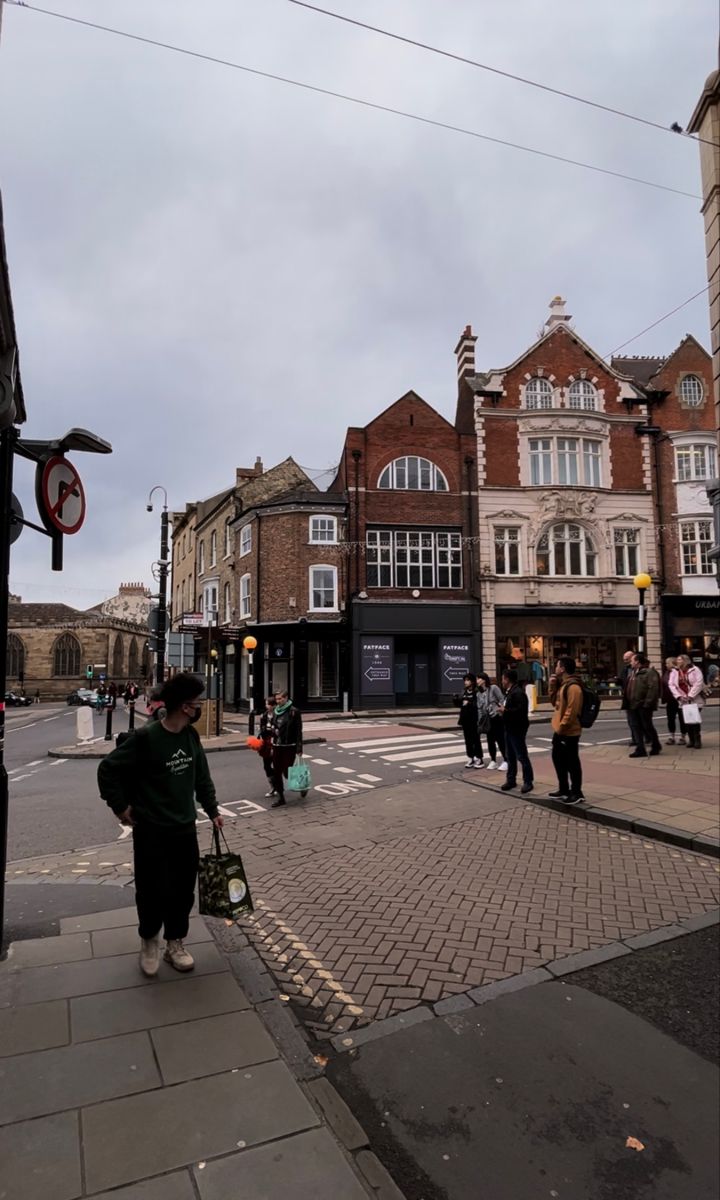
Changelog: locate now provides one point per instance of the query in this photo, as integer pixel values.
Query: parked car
(13, 700)
(81, 696)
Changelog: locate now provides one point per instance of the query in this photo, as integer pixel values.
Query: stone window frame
(65, 644)
(245, 592)
(246, 540)
(16, 656)
(311, 588)
(683, 402)
(586, 541)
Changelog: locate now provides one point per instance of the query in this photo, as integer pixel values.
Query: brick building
(183, 591)
(565, 504)
(409, 478)
(679, 391)
(51, 645)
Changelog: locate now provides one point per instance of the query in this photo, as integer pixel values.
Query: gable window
(696, 544)
(507, 550)
(695, 462)
(245, 596)
(538, 393)
(626, 551)
(228, 539)
(227, 604)
(582, 395)
(66, 656)
(323, 529)
(201, 558)
(691, 391)
(413, 558)
(413, 474)
(540, 460)
(245, 540)
(213, 548)
(15, 657)
(323, 589)
(566, 549)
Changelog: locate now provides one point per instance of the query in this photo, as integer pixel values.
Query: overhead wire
(471, 62)
(357, 100)
(660, 320)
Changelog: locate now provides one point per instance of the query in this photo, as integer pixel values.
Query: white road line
(441, 762)
(611, 742)
(321, 762)
(371, 778)
(344, 770)
(539, 739)
(421, 752)
(55, 762)
(36, 762)
(408, 739)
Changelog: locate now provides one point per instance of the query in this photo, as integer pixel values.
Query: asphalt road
(54, 805)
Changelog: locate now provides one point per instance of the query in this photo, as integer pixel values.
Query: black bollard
(251, 722)
(108, 723)
(131, 717)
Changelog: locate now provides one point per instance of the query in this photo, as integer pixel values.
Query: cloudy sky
(209, 266)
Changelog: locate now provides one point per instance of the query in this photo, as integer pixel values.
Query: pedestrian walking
(516, 720)
(468, 722)
(490, 722)
(643, 693)
(673, 711)
(287, 743)
(266, 737)
(624, 676)
(687, 686)
(567, 731)
(151, 782)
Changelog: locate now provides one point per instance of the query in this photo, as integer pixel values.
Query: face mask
(197, 713)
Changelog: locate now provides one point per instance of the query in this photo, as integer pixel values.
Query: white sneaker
(492, 766)
(470, 762)
(502, 766)
(150, 956)
(272, 792)
(478, 763)
(178, 956)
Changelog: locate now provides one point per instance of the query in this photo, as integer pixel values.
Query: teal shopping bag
(299, 778)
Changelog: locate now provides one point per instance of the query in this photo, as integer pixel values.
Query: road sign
(232, 632)
(61, 495)
(192, 619)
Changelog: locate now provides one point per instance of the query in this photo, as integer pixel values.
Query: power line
(659, 320)
(309, 87)
(471, 62)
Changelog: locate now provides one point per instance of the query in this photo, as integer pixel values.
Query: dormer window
(413, 474)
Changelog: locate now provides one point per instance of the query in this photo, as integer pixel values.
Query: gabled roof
(411, 395)
(40, 614)
(206, 507)
(644, 367)
(481, 380)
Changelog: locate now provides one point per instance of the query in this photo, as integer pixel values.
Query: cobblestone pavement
(368, 905)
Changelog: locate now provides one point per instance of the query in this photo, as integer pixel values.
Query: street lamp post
(162, 584)
(250, 644)
(642, 583)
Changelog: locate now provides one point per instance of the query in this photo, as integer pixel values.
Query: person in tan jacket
(566, 733)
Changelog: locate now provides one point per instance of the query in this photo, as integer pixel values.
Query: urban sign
(193, 620)
(60, 495)
(377, 666)
(454, 663)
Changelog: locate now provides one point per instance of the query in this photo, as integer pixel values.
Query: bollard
(131, 717)
(108, 723)
(251, 722)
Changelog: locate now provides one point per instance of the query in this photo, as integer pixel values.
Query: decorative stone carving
(568, 504)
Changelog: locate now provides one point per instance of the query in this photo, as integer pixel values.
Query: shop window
(413, 558)
(566, 549)
(413, 474)
(245, 540)
(538, 393)
(695, 462)
(691, 391)
(507, 550)
(15, 657)
(245, 596)
(323, 675)
(696, 544)
(323, 529)
(323, 589)
(626, 551)
(582, 395)
(66, 656)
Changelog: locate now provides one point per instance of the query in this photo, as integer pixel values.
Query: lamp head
(642, 581)
(149, 507)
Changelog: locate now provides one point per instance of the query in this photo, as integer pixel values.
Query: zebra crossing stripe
(408, 739)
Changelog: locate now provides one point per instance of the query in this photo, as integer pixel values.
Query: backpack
(590, 707)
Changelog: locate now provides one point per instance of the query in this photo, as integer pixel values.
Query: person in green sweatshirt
(151, 782)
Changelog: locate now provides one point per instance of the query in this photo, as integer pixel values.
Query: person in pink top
(687, 685)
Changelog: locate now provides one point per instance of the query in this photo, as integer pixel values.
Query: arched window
(118, 657)
(413, 474)
(691, 391)
(133, 659)
(538, 393)
(566, 549)
(582, 394)
(66, 656)
(15, 657)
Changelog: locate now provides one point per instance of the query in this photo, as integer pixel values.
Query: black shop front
(691, 625)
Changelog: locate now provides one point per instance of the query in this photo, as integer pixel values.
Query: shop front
(412, 654)
(306, 659)
(691, 625)
(596, 638)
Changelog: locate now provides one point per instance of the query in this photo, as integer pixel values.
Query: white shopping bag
(691, 714)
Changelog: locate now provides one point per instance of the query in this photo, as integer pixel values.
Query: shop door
(412, 677)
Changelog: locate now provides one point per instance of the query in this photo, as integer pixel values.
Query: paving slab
(47, 1081)
(159, 1131)
(177, 1186)
(34, 984)
(309, 1164)
(211, 1045)
(115, 918)
(189, 999)
(41, 1159)
(47, 951)
(34, 1027)
(124, 940)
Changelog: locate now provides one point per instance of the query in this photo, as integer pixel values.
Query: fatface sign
(377, 666)
(454, 664)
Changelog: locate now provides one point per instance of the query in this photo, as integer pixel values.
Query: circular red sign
(63, 495)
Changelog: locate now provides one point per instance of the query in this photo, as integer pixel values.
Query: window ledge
(329, 611)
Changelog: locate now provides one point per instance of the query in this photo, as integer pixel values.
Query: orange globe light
(255, 743)
(250, 643)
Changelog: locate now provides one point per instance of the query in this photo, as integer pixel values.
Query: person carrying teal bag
(287, 746)
(299, 779)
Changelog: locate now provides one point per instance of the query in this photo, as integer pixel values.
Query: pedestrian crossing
(419, 751)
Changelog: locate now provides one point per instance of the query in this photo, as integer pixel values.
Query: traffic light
(89, 671)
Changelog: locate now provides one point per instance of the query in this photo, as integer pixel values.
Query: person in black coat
(516, 719)
(287, 743)
(468, 721)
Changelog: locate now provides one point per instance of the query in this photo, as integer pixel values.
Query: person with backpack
(151, 783)
(567, 728)
(516, 720)
(643, 695)
(468, 721)
(490, 722)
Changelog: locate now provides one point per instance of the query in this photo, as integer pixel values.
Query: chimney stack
(558, 316)
(465, 353)
(259, 466)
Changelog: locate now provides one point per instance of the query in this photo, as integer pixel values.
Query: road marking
(36, 762)
(418, 752)
(344, 770)
(371, 778)
(321, 762)
(440, 762)
(55, 762)
(393, 741)
(345, 788)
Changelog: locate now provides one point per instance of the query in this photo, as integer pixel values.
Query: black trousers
(496, 738)
(166, 866)
(566, 761)
(283, 758)
(473, 744)
(641, 723)
(673, 713)
(516, 752)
